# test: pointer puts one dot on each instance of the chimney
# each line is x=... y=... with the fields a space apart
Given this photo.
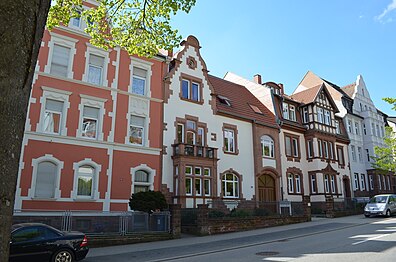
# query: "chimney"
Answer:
x=281 y=88
x=257 y=79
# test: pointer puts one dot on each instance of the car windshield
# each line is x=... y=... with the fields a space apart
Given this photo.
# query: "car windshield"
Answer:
x=378 y=199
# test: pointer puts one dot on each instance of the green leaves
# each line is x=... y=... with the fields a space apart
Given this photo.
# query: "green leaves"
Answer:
x=385 y=159
x=141 y=27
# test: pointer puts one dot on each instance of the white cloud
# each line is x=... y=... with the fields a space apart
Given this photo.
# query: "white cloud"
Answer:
x=391 y=7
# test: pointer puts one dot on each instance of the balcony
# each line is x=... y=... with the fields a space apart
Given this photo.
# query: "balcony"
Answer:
x=194 y=151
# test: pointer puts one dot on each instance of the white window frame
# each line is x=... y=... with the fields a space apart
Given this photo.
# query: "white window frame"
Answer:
x=297 y=178
x=355 y=181
x=191 y=179
x=144 y=130
x=59 y=95
x=326 y=184
x=139 y=106
x=285 y=109
x=349 y=124
x=92 y=102
x=362 y=182
x=290 y=180
x=333 y=184
x=235 y=185
x=198 y=89
x=292 y=112
x=230 y=140
x=35 y=163
x=95 y=184
x=209 y=188
x=151 y=172
x=313 y=183
x=64 y=41
x=337 y=126
x=199 y=191
x=267 y=141
x=320 y=115
x=92 y=50
x=135 y=62
x=357 y=131
x=327 y=117
x=305 y=114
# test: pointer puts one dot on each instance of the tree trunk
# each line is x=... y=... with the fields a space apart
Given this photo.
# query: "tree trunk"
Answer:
x=21 y=29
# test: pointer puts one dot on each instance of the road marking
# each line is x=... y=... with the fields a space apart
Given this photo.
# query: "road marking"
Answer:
x=369 y=239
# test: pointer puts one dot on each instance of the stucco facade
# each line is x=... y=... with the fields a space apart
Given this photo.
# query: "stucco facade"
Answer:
x=92 y=130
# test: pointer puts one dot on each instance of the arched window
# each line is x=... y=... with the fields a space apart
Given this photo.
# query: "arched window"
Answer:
x=45 y=180
x=85 y=181
x=230 y=185
x=267 y=145
x=141 y=181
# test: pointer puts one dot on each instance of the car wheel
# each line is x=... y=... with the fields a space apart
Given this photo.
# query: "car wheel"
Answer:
x=63 y=255
x=388 y=213
x=366 y=215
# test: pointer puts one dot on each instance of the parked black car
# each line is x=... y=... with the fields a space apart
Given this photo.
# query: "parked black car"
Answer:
x=40 y=242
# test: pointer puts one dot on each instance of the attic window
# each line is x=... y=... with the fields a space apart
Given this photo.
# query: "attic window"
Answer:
x=224 y=100
x=256 y=109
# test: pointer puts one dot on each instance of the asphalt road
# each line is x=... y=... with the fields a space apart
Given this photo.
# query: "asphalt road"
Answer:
x=342 y=239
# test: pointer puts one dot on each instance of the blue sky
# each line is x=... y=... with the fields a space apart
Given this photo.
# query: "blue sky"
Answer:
x=283 y=39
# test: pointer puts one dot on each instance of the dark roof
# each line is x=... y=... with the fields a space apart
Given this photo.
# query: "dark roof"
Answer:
x=243 y=104
x=336 y=87
x=392 y=119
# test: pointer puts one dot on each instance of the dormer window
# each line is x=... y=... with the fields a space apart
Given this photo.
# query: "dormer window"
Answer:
x=224 y=100
x=256 y=109
x=292 y=112
x=285 y=111
x=289 y=112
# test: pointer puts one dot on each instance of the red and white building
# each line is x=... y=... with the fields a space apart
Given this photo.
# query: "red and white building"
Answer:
x=93 y=133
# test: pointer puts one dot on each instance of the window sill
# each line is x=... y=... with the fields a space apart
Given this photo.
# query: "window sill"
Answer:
x=43 y=199
x=199 y=102
x=231 y=153
x=268 y=157
x=85 y=200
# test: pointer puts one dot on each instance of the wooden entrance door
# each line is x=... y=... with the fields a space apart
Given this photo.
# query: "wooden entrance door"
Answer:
x=266 y=188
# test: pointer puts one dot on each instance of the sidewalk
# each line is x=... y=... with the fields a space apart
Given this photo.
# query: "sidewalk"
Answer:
x=191 y=240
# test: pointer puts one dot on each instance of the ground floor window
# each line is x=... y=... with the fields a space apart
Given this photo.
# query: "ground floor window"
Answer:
x=230 y=185
x=198 y=181
x=294 y=183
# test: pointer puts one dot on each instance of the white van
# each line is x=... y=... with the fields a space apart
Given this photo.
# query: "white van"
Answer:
x=381 y=205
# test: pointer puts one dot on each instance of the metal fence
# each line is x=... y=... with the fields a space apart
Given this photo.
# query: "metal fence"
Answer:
x=98 y=223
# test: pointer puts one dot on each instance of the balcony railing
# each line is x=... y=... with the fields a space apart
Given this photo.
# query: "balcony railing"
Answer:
x=194 y=150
